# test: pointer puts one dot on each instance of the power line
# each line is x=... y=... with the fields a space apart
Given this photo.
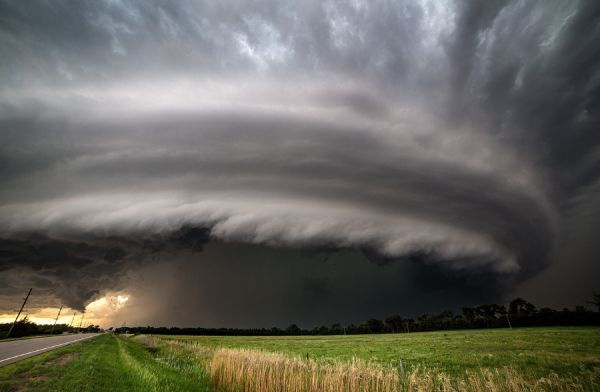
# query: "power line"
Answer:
x=54 y=325
x=18 y=314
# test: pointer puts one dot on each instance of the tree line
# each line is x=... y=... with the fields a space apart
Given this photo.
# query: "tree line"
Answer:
x=26 y=327
x=519 y=313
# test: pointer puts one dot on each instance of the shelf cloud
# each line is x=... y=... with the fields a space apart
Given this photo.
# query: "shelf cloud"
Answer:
x=460 y=136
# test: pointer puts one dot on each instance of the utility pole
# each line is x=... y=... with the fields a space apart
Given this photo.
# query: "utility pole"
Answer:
x=73 y=319
x=81 y=322
x=18 y=314
x=54 y=325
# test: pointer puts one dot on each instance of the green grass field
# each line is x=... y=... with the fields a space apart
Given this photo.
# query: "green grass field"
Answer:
x=183 y=363
x=537 y=351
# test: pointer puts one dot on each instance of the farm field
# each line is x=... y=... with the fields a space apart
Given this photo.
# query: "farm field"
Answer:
x=527 y=359
x=536 y=350
x=569 y=357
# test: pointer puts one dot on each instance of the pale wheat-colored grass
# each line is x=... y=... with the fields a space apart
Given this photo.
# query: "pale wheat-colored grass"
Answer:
x=487 y=380
x=247 y=370
x=257 y=371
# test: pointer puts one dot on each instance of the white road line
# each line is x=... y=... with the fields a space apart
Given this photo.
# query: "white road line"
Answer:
x=45 y=348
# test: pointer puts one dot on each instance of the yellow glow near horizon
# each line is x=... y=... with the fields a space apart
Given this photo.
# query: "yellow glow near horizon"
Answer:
x=101 y=312
x=41 y=316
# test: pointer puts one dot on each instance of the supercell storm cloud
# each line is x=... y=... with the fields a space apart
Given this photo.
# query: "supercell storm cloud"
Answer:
x=461 y=136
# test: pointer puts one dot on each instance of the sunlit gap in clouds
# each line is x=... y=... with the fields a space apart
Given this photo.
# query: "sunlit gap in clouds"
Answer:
x=104 y=311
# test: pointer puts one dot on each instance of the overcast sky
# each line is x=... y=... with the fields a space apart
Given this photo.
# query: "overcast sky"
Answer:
x=260 y=163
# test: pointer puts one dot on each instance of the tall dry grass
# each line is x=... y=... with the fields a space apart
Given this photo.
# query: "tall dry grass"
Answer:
x=247 y=370
x=241 y=370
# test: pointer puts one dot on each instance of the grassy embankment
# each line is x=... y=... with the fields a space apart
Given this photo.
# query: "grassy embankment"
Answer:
x=105 y=363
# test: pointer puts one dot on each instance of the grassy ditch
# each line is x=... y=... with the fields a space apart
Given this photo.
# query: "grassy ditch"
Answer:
x=104 y=363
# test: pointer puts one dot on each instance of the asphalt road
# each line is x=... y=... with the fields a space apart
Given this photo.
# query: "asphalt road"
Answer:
x=15 y=350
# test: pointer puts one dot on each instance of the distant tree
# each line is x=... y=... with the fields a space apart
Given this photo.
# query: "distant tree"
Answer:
x=351 y=328
x=521 y=308
x=323 y=330
x=443 y=320
x=468 y=314
x=458 y=321
x=25 y=327
x=595 y=300
x=489 y=314
x=293 y=330
x=424 y=322
x=394 y=323
x=374 y=326
x=445 y=315
x=548 y=316
x=502 y=311
x=94 y=328
x=336 y=329
x=409 y=324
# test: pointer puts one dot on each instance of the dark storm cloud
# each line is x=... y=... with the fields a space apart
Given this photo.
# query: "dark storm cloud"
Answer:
x=536 y=79
x=446 y=135
x=257 y=286
x=81 y=267
x=68 y=270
